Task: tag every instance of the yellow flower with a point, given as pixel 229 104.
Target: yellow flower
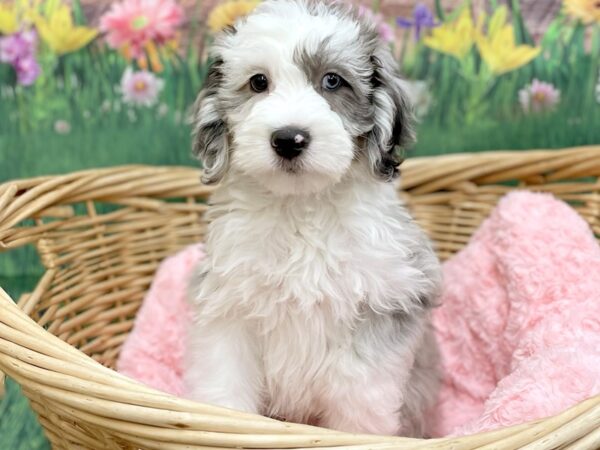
pixel 17 15
pixel 454 38
pixel 59 32
pixel 8 19
pixel 226 14
pixel 499 50
pixel 587 11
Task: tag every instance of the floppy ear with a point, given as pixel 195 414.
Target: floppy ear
pixel 210 143
pixel 393 117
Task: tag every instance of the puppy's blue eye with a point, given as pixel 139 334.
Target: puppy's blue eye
pixel 332 82
pixel 259 82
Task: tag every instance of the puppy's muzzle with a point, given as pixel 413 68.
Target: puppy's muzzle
pixel 289 142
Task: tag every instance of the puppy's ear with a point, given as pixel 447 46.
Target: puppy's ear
pixel 210 142
pixel 393 117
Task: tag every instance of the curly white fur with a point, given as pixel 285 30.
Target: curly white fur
pixel 312 304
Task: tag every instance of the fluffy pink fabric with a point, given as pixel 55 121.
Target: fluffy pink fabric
pixel 153 351
pixel 519 329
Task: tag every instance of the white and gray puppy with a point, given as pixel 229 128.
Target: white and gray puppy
pixel 312 303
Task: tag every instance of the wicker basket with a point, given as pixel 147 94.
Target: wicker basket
pixel 100 235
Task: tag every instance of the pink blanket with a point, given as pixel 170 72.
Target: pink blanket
pixel 519 327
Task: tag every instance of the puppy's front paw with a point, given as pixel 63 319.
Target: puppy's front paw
pixel 237 404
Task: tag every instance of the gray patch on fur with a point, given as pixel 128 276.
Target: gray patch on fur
pixel 422 388
pixel 210 139
pixel 390 333
pixel 393 119
pixel 351 102
pixel 373 108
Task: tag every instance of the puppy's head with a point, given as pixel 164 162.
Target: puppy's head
pixel 297 92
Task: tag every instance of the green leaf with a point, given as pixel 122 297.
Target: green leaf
pixel 521 33
pixel 439 10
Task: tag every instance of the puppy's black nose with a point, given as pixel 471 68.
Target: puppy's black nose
pixel 289 142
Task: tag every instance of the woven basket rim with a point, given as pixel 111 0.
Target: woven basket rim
pixel 43 363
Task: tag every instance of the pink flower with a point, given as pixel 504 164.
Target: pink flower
pixel 538 97
pixel 140 88
pixel 62 127
pixel 18 50
pixel 28 70
pixel 18 45
pixel 131 24
pixel 386 32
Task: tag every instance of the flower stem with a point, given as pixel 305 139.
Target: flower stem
pixel 439 10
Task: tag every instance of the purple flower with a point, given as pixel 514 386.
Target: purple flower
pixel 18 45
pixel 422 18
pixel 18 49
pixel 28 70
pixel 10 48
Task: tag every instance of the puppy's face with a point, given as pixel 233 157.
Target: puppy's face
pixel 296 93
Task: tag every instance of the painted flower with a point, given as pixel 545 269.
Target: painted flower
pixel 131 24
pixel 28 70
pixel 498 49
pixel 18 45
pixel 62 127
pixel 588 11
pixel 162 110
pixel 226 14
pixel 60 33
pixel 19 14
pixel 106 106
pixel 386 32
pixel 8 19
pixel 454 38
pixel 10 48
pixel 422 18
pixel 419 96
pixel 539 97
pixel 140 88
pixel 598 88
pixel 18 50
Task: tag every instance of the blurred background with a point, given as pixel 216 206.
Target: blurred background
pixel 93 83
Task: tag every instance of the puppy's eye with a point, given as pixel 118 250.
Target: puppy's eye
pixel 332 82
pixel 259 82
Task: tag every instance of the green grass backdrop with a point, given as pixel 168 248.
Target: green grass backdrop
pixel 467 109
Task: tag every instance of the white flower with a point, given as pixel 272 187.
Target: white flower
pixel 140 88
pixel 162 110
pixel 598 88
pixel 62 127
pixel 131 115
pixel 539 96
pixel 419 96
pixel 177 117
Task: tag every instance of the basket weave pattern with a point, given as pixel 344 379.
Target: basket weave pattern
pixel 101 234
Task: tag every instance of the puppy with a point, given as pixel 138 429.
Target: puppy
pixel 312 303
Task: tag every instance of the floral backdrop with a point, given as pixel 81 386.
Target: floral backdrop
pixel 84 90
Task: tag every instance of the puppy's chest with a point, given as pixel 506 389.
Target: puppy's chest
pixel 312 265
pixel 309 261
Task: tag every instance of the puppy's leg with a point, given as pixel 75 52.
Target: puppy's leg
pixel 422 388
pixel 369 384
pixel 369 404
pixel 223 366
